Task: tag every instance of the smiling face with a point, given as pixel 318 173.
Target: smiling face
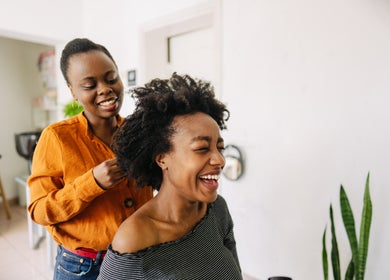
pixel 95 83
pixel 193 166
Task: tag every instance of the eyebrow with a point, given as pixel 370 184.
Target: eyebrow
pixel 88 79
pixel 205 138
pixel 109 72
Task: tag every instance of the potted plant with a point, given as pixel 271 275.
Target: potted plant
pixel 359 248
pixel 72 108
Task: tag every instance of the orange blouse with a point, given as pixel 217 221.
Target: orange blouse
pixel 64 196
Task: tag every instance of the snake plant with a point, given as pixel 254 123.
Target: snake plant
pixel 359 248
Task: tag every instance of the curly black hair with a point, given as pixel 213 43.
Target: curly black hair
pixel 146 133
pixel 76 46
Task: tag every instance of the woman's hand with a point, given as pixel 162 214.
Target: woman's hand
pixel 108 174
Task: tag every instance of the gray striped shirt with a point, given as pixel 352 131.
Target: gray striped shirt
pixel 207 252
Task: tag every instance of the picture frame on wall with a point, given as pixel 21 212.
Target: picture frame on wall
pixel 131 77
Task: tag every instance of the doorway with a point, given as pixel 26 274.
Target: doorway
pixel 186 42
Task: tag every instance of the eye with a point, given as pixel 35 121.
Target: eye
pixel 111 78
pixel 88 86
pixel 221 149
pixel 112 81
pixel 202 149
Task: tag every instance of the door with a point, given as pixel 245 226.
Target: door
pixel 190 45
pixel 193 53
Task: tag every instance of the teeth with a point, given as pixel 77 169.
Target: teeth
pixel 210 177
pixel 108 102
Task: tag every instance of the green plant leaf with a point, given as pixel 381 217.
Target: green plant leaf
pixel 324 256
pixel 350 271
pixel 365 226
pixel 334 250
pixel 357 265
pixel 72 108
pixel 349 224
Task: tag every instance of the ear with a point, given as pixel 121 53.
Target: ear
pixel 71 91
pixel 160 160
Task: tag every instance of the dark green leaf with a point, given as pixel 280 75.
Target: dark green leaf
pixel 350 271
pixel 324 256
pixel 365 226
pixel 335 250
pixel 349 224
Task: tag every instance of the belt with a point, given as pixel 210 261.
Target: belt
pixel 88 253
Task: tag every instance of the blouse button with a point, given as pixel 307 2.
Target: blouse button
pixel 129 202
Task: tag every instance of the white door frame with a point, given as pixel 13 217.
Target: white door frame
pixel 154 39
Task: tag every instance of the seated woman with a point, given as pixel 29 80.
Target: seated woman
pixel 172 142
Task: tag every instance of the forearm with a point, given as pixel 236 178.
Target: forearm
pixel 52 203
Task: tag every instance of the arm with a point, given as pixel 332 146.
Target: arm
pixel 120 262
pixel 227 227
pixel 230 243
pixel 62 182
pixel 120 267
pixel 137 232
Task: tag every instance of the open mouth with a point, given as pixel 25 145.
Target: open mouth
pixel 108 102
pixel 210 177
pixel 210 181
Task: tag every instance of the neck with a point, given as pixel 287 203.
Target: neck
pixel 103 128
pixel 177 209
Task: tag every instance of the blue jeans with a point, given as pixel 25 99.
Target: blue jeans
pixel 69 266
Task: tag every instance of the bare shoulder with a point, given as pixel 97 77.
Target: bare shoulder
pixel 137 232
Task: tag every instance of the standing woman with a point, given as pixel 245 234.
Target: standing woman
pixel 78 191
pixel 172 142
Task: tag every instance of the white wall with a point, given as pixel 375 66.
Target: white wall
pixel 307 85
pixel 40 21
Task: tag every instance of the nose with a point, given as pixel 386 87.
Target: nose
pixel 217 158
pixel 104 89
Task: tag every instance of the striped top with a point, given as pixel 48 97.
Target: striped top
pixel 207 252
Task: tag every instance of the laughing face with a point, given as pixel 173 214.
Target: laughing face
pixel 193 166
pixel 95 83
